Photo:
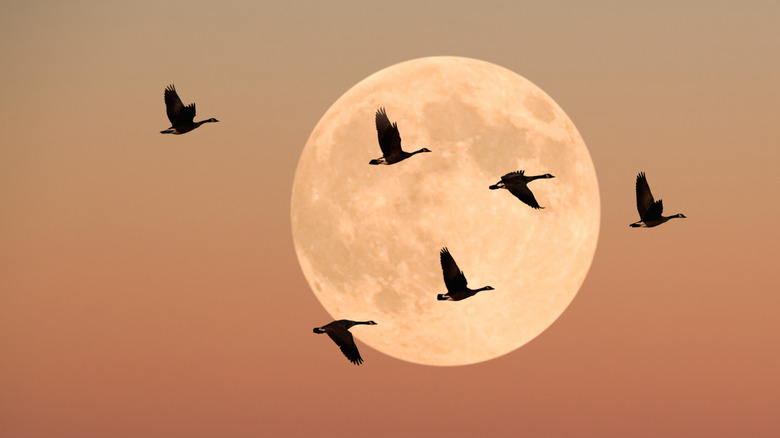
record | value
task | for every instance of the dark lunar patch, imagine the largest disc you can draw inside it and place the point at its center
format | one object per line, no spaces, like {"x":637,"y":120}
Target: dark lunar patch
{"x":389,"y":301}
{"x":540,"y":107}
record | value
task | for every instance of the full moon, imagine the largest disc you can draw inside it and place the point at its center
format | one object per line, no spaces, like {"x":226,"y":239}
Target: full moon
{"x":368,"y":237}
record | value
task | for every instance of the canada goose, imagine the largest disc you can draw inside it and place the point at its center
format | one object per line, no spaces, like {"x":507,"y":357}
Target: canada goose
{"x":455,"y":280}
{"x":516,"y":183}
{"x":181,"y":116}
{"x":649,"y":209}
{"x":339,"y":332}
{"x":390,"y":141}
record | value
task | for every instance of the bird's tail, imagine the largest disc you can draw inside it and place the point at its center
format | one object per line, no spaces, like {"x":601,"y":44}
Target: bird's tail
{"x":635,"y":225}
{"x":168,"y":131}
{"x":377,"y":161}
{"x":441,"y":297}
{"x":318,"y":330}
{"x":495,"y":186}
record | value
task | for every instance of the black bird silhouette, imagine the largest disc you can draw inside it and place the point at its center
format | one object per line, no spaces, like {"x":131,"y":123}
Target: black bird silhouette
{"x":649,"y":209}
{"x":517,"y":184}
{"x":455,"y":280}
{"x":390,"y":141}
{"x":339,"y":332}
{"x":181,"y":116}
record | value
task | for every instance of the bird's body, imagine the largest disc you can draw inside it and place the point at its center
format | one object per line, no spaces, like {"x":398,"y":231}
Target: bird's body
{"x":338,"y":331}
{"x":517,"y":184}
{"x":181,"y":117}
{"x":390,"y":141}
{"x":650,"y":210}
{"x":455,"y":280}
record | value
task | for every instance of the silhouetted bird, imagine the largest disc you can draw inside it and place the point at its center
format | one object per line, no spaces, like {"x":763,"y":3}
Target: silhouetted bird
{"x":649,"y":209}
{"x":390,"y":141}
{"x":517,"y":184}
{"x":181,"y":116}
{"x":339,"y":332}
{"x":455,"y":280}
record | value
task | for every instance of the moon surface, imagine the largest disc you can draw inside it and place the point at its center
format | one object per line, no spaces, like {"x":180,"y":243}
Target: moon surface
{"x":368,"y":237}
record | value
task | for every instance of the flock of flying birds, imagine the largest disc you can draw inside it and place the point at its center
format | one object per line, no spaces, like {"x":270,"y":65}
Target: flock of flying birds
{"x":650,"y":211}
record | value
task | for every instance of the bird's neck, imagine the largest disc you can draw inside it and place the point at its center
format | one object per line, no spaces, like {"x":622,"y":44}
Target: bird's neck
{"x":417,"y":151}
{"x":482,"y":288}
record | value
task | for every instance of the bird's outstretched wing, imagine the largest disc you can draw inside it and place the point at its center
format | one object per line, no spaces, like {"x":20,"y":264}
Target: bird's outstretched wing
{"x":389,"y":138}
{"x":178,"y":114}
{"x":644,"y":199}
{"x":523,"y":193}
{"x":453,"y":276}
{"x":343,"y":338}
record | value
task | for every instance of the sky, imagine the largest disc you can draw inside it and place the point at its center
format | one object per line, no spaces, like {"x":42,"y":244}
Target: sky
{"x":149,"y":285}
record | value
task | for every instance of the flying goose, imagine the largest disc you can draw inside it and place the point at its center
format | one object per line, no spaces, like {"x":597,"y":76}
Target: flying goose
{"x":649,"y":209}
{"x":517,"y":184}
{"x":390,"y":141}
{"x":455,"y":280}
{"x":339,"y":332}
{"x":181,"y":116}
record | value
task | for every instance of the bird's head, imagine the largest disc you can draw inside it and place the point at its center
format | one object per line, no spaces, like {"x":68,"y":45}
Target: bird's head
{"x":547,"y":175}
{"x":370,"y":323}
{"x":425,"y":150}
{"x":680,"y":215}
{"x":489,"y":288}
{"x":211,"y":120}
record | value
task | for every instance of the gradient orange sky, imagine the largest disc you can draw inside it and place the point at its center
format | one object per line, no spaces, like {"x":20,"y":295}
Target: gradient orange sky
{"x":149,"y":285}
